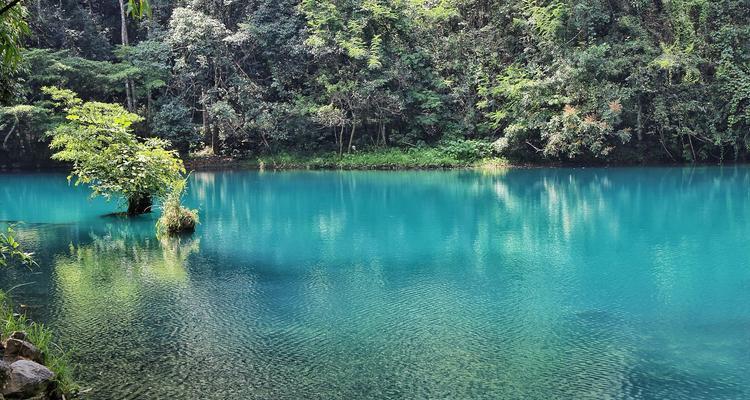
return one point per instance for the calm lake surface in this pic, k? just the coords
(629, 283)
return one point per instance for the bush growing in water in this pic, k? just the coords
(176, 218)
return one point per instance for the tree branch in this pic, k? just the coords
(13, 128)
(538, 150)
(8, 6)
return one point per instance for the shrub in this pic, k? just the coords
(53, 356)
(10, 248)
(106, 155)
(176, 218)
(467, 150)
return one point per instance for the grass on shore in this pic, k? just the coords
(55, 358)
(382, 159)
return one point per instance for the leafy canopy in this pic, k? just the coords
(13, 29)
(98, 139)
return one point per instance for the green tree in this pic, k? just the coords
(201, 63)
(578, 80)
(13, 29)
(97, 139)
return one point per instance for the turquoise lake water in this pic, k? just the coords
(629, 283)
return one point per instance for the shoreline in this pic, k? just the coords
(313, 163)
(367, 161)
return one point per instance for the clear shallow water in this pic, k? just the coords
(535, 284)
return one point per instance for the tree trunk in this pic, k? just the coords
(351, 135)
(10, 132)
(8, 6)
(639, 121)
(206, 128)
(149, 106)
(215, 129)
(129, 95)
(341, 139)
(214, 140)
(131, 87)
(139, 204)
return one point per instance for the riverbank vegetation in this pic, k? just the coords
(11, 249)
(465, 154)
(531, 80)
(32, 341)
(53, 357)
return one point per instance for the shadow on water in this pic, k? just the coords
(116, 215)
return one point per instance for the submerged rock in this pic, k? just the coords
(27, 379)
(16, 348)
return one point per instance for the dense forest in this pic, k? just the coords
(531, 80)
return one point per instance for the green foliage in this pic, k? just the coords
(449, 155)
(580, 80)
(11, 250)
(547, 20)
(57, 360)
(13, 29)
(175, 218)
(22, 131)
(54, 357)
(147, 63)
(599, 82)
(97, 139)
(101, 79)
(139, 8)
(467, 150)
(172, 122)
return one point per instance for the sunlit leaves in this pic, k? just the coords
(13, 29)
(106, 155)
(547, 19)
(12, 251)
(139, 8)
